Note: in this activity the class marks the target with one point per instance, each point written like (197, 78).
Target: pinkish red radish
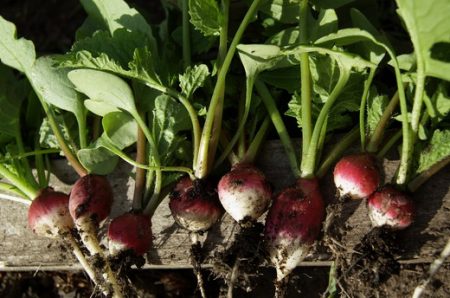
(293, 224)
(194, 205)
(130, 231)
(357, 176)
(91, 197)
(48, 214)
(244, 193)
(391, 207)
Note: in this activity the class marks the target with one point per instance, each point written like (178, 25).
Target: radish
(245, 193)
(391, 207)
(130, 231)
(90, 203)
(293, 224)
(194, 205)
(48, 214)
(357, 176)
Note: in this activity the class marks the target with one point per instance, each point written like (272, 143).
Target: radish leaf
(16, 53)
(437, 149)
(193, 78)
(206, 16)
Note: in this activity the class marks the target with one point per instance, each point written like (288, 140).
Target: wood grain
(20, 249)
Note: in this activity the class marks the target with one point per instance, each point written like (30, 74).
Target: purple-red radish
(130, 231)
(357, 175)
(293, 224)
(194, 205)
(91, 197)
(48, 214)
(391, 207)
(245, 193)
(90, 203)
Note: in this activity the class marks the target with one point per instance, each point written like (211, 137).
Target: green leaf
(258, 57)
(16, 53)
(282, 78)
(115, 15)
(193, 78)
(104, 88)
(330, 3)
(169, 120)
(67, 126)
(120, 128)
(428, 25)
(97, 159)
(12, 96)
(442, 102)
(54, 87)
(375, 107)
(206, 16)
(285, 11)
(437, 149)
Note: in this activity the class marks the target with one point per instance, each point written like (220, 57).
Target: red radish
(245, 193)
(48, 214)
(130, 231)
(91, 197)
(293, 224)
(90, 203)
(391, 207)
(194, 205)
(357, 176)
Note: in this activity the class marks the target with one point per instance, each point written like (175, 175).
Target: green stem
(309, 160)
(186, 35)
(155, 159)
(70, 156)
(305, 81)
(418, 99)
(337, 151)
(253, 149)
(389, 144)
(378, 133)
(242, 120)
(407, 149)
(30, 191)
(12, 189)
(277, 121)
(139, 181)
(24, 162)
(82, 131)
(202, 168)
(363, 108)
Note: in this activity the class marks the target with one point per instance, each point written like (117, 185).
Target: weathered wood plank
(21, 249)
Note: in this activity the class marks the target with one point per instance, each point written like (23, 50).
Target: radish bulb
(391, 207)
(48, 214)
(130, 231)
(293, 224)
(244, 193)
(357, 176)
(194, 205)
(89, 204)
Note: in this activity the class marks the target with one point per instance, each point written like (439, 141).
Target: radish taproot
(90, 203)
(293, 224)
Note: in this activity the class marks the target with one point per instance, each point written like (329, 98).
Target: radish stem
(139, 185)
(202, 168)
(277, 121)
(363, 107)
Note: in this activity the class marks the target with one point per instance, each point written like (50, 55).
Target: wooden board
(20, 249)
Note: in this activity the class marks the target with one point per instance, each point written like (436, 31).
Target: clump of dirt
(239, 265)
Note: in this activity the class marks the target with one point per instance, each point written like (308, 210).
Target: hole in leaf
(440, 51)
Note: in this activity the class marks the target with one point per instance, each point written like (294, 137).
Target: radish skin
(391, 207)
(244, 193)
(293, 224)
(357, 176)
